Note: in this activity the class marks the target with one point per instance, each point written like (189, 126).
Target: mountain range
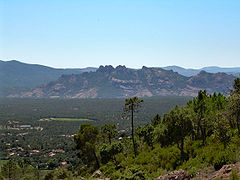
(15, 75)
(26, 80)
(211, 69)
(109, 82)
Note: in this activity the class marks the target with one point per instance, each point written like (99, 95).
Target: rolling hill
(15, 75)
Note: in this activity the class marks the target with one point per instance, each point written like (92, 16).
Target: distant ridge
(15, 75)
(121, 82)
(19, 79)
(211, 69)
(182, 71)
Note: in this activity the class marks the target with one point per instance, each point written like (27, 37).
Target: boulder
(97, 174)
(175, 175)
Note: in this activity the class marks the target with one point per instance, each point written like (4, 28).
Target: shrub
(234, 175)
(192, 166)
(58, 173)
(220, 159)
(134, 173)
(107, 152)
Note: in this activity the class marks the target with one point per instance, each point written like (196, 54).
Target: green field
(65, 119)
(71, 119)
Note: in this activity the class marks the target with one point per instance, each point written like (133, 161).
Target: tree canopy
(85, 142)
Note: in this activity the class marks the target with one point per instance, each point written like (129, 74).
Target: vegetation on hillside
(29, 129)
(203, 133)
(16, 76)
(122, 82)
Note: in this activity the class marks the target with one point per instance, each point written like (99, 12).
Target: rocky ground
(210, 173)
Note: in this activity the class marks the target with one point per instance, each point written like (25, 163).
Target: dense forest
(30, 132)
(122, 139)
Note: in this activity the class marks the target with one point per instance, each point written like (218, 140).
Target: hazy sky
(82, 33)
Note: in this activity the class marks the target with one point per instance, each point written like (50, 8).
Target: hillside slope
(211, 69)
(15, 75)
(124, 82)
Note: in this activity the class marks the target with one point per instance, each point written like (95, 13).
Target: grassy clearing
(65, 119)
(71, 119)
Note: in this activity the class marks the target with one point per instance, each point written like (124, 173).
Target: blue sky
(71, 33)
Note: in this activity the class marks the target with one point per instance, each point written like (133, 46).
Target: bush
(192, 166)
(10, 170)
(215, 155)
(108, 169)
(167, 158)
(134, 173)
(49, 176)
(107, 152)
(220, 159)
(27, 177)
(58, 173)
(234, 175)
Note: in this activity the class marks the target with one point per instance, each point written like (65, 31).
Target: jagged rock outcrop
(109, 82)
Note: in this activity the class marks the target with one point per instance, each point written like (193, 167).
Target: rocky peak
(203, 72)
(144, 68)
(148, 70)
(125, 82)
(121, 68)
(106, 69)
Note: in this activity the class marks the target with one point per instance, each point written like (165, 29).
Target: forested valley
(129, 138)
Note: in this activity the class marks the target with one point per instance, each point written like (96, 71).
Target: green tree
(146, 133)
(200, 107)
(222, 129)
(109, 131)
(58, 173)
(234, 102)
(236, 85)
(10, 170)
(85, 142)
(24, 166)
(108, 152)
(179, 126)
(131, 106)
(156, 120)
(203, 110)
(160, 134)
(62, 173)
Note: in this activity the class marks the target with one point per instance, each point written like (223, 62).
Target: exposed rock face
(175, 175)
(217, 82)
(224, 173)
(124, 82)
